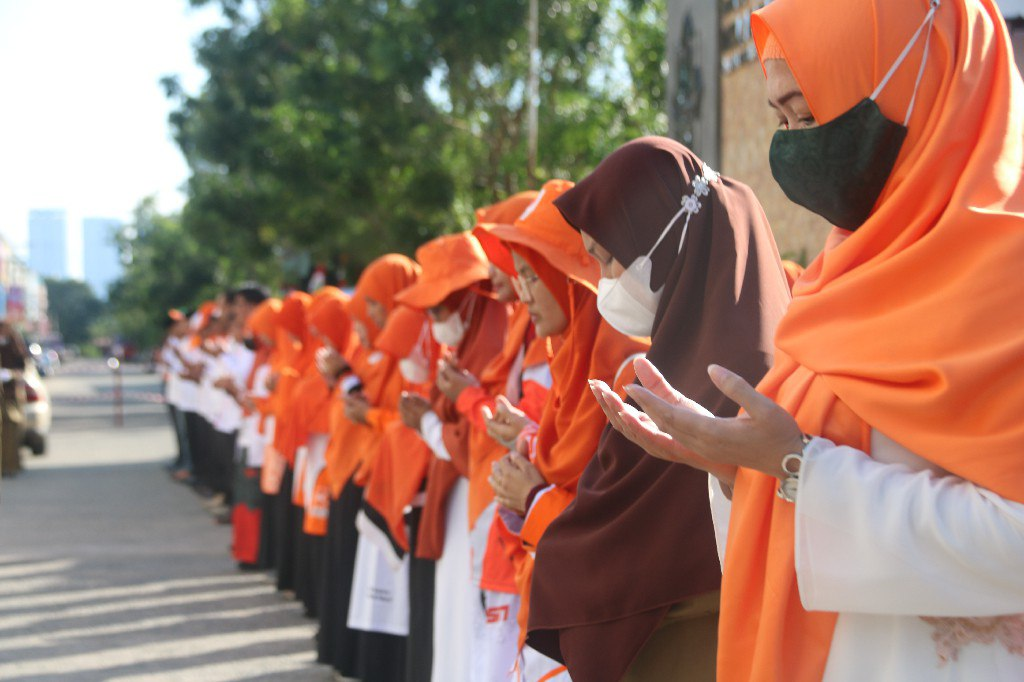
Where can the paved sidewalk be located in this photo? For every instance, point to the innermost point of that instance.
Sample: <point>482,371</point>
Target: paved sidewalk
<point>110,571</point>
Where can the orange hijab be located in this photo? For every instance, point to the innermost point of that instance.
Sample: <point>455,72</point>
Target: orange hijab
<point>354,446</point>
<point>261,323</point>
<point>502,213</point>
<point>572,423</point>
<point>455,265</point>
<point>913,324</point>
<point>404,459</point>
<point>381,281</point>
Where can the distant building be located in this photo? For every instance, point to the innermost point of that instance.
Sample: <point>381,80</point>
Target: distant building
<point>23,295</point>
<point>100,253</point>
<point>48,243</point>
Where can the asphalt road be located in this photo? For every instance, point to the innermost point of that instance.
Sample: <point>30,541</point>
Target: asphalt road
<point>110,571</point>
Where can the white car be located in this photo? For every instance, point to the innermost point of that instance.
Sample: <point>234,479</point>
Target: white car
<point>37,410</point>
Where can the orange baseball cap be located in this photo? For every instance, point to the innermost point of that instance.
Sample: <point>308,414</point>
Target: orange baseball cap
<point>542,228</point>
<point>450,263</point>
<point>502,213</point>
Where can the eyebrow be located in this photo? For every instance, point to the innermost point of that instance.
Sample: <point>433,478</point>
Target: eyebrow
<point>785,98</point>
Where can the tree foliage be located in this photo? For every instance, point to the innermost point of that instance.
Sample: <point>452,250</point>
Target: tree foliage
<point>74,307</point>
<point>344,129</point>
<point>166,268</point>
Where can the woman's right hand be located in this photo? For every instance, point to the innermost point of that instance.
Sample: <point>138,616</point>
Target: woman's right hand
<point>505,425</point>
<point>641,429</point>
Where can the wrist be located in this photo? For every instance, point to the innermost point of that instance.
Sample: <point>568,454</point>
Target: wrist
<point>789,470</point>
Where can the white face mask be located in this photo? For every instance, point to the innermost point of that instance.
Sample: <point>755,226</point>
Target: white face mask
<point>414,368</point>
<point>451,331</point>
<point>627,302</point>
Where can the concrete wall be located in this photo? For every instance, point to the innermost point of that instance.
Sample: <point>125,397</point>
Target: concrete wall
<point>693,117</point>
<point>747,128</point>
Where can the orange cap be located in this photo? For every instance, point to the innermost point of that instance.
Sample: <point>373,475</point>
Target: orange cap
<point>543,229</point>
<point>450,263</point>
<point>502,213</point>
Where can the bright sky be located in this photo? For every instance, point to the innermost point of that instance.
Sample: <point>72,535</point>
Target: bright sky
<point>83,124</point>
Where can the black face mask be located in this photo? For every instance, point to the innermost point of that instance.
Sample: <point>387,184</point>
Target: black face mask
<point>839,169</point>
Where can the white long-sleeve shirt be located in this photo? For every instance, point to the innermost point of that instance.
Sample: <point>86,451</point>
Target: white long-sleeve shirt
<point>889,539</point>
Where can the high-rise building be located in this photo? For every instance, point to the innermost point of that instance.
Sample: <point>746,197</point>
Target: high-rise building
<point>102,258</point>
<point>48,243</point>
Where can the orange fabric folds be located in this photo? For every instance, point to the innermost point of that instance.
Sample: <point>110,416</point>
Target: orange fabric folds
<point>912,325</point>
<point>404,458</point>
<point>353,447</point>
<point>502,213</point>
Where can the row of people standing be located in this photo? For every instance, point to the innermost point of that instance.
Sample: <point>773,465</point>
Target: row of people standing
<point>445,495</point>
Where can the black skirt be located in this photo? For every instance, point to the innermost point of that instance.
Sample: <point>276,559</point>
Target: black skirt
<point>305,583</point>
<point>268,555</point>
<point>419,656</point>
<point>284,534</point>
<point>337,645</point>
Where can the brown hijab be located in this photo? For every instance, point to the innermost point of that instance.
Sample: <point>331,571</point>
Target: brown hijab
<point>640,528</point>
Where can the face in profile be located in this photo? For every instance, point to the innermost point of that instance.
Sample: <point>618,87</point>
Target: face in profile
<point>548,317</point>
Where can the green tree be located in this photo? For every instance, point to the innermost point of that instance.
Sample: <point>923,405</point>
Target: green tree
<point>165,268</point>
<point>346,128</point>
<point>74,307</point>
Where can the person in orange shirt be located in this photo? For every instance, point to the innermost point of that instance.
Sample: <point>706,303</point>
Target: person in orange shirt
<point>393,497</point>
<point>296,350</point>
<point>250,516</point>
<point>513,387</point>
<point>455,291</point>
<point>556,279</point>
<point>366,398</point>
<point>304,440</point>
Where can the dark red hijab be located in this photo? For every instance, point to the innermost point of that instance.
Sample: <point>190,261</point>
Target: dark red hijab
<point>640,529</point>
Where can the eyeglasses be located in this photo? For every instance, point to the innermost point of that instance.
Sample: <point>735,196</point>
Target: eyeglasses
<point>523,284</point>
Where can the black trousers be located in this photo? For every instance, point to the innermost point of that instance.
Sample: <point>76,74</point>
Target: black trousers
<point>419,656</point>
<point>337,645</point>
<point>284,533</point>
<point>195,430</point>
<point>222,461</point>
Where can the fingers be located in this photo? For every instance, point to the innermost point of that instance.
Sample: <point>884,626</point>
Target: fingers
<point>740,392</point>
<point>487,414</point>
<point>681,422</point>
<point>504,407</point>
<point>654,381</point>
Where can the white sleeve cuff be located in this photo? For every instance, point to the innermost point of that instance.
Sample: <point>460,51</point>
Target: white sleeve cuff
<point>432,432</point>
<point>721,508</point>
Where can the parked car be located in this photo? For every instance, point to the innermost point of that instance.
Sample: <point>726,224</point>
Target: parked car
<point>37,410</point>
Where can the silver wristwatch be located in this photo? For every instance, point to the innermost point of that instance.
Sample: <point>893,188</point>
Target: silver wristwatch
<point>791,465</point>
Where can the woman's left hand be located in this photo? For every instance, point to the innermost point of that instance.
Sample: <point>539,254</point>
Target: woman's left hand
<point>758,439</point>
<point>513,477</point>
<point>452,381</point>
<point>356,407</point>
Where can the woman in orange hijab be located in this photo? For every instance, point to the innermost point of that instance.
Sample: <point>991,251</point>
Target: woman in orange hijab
<point>556,279</point>
<point>366,398</point>
<point>455,292</point>
<point>888,542</point>
<point>251,543</point>
<point>305,439</point>
<point>393,497</point>
<point>295,348</point>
